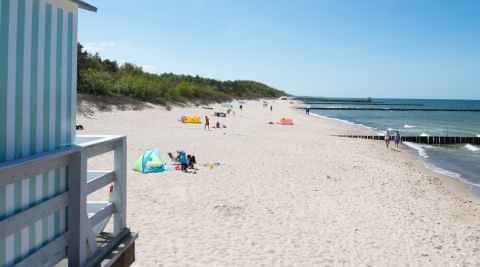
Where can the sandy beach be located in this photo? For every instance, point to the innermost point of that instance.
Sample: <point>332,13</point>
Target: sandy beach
<point>286,195</point>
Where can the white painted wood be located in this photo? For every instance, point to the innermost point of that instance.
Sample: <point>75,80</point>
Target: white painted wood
<point>120,187</point>
<point>16,170</point>
<point>49,255</point>
<point>102,214</point>
<point>18,221</point>
<point>99,179</point>
<point>77,175</point>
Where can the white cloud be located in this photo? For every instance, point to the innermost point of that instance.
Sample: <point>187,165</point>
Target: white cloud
<point>149,68</point>
<point>98,47</point>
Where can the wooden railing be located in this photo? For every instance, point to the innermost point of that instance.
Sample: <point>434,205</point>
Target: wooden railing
<point>78,243</point>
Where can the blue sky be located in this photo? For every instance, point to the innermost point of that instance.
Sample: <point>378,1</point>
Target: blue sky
<point>377,48</point>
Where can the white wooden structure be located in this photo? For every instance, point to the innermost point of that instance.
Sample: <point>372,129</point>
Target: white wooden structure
<point>78,243</point>
<point>44,177</point>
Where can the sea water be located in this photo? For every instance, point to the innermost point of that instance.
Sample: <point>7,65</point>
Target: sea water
<point>458,161</point>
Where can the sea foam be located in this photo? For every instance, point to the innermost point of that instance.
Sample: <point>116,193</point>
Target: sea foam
<point>406,126</point>
<point>419,148</point>
<point>472,148</point>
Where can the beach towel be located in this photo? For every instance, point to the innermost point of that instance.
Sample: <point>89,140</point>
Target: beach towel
<point>192,119</point>
<point>150,162</point>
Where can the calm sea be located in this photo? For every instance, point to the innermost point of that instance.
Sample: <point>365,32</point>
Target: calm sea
<point>458,161</point>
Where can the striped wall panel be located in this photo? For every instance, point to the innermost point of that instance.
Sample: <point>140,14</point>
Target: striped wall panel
<point>37,110</point>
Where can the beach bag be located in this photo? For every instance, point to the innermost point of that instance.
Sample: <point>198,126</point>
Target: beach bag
<point>150,162</point>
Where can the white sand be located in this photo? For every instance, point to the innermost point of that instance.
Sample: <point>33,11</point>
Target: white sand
<point>287,196</point>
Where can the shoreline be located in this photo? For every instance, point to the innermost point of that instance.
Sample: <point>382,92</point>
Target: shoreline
<point>284,195</point>
<point>458,185</point>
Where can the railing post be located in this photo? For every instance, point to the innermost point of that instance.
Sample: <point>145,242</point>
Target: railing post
<point>120,187</point>
<point>77,223</point>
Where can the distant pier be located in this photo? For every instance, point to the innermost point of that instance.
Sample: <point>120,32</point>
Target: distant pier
<point>430,140</point>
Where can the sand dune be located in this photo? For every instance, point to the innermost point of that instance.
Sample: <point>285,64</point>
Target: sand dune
<point>287,196</point>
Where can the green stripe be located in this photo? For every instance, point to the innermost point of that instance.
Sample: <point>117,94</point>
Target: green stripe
<point>44,230</point>
<point>18,196</point>
<point>56,223</point>
<point>45,187</point>
<point>3,204</point>
<point>4,21</point>
<point>2,250</point>
<point>34,79</point>
<point>32,191</point>
<point>19,79</point>
<point>47,82</point>
<point>4,6</point>
<point>58,119</point>
<point>69,77</point>
<point>18,207</point>
<point>17,246</point>
<point>31,237</point>
<point>57,182</point>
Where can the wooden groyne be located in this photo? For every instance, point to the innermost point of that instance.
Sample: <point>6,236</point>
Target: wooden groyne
<point>430,140</point>
<point>393,109</point>
<point>364,104</point>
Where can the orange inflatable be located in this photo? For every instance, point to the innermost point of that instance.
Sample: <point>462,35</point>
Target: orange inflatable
<point>286,121</point>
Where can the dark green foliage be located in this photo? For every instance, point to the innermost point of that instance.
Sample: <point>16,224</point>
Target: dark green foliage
<point>103,77</point>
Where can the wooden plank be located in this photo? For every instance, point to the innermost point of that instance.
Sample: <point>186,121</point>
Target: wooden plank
<point>13,171</point>
<point>77,211</point>
<point>19,221</point>
<point>101,144</point>
<point>99,179</point>
<point>120,187</point>
<point>103,214</point>
<point>48,255</point>
<point>107,255</point>
<point>126,257</point>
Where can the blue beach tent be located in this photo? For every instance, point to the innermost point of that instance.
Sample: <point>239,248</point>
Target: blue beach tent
<point>150,162</point>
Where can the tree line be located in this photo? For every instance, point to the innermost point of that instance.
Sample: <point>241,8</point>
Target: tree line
<point>104,77</point>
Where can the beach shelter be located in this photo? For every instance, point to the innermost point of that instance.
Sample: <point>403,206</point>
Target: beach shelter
<point>38,70</point>
<point>150,162</point>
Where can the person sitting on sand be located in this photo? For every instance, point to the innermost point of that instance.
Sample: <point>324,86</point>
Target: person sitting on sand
<point>207,123</point>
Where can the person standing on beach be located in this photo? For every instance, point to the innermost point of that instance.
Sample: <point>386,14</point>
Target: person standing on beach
<point>271,108</point>
<point>398,138</point>
<point>207,123</point>
<point>307,110</point>
<point>387,138</point>
<point>241,108</point>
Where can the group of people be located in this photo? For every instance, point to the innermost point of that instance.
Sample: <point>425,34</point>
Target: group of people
<point>397,138</point>
<point>186,161</point>
<point>217,125</point>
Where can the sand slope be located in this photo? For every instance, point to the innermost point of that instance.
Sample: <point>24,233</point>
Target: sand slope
<point>286,196</point>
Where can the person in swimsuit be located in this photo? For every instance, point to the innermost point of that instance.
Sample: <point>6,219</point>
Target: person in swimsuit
<point>207,123</point>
